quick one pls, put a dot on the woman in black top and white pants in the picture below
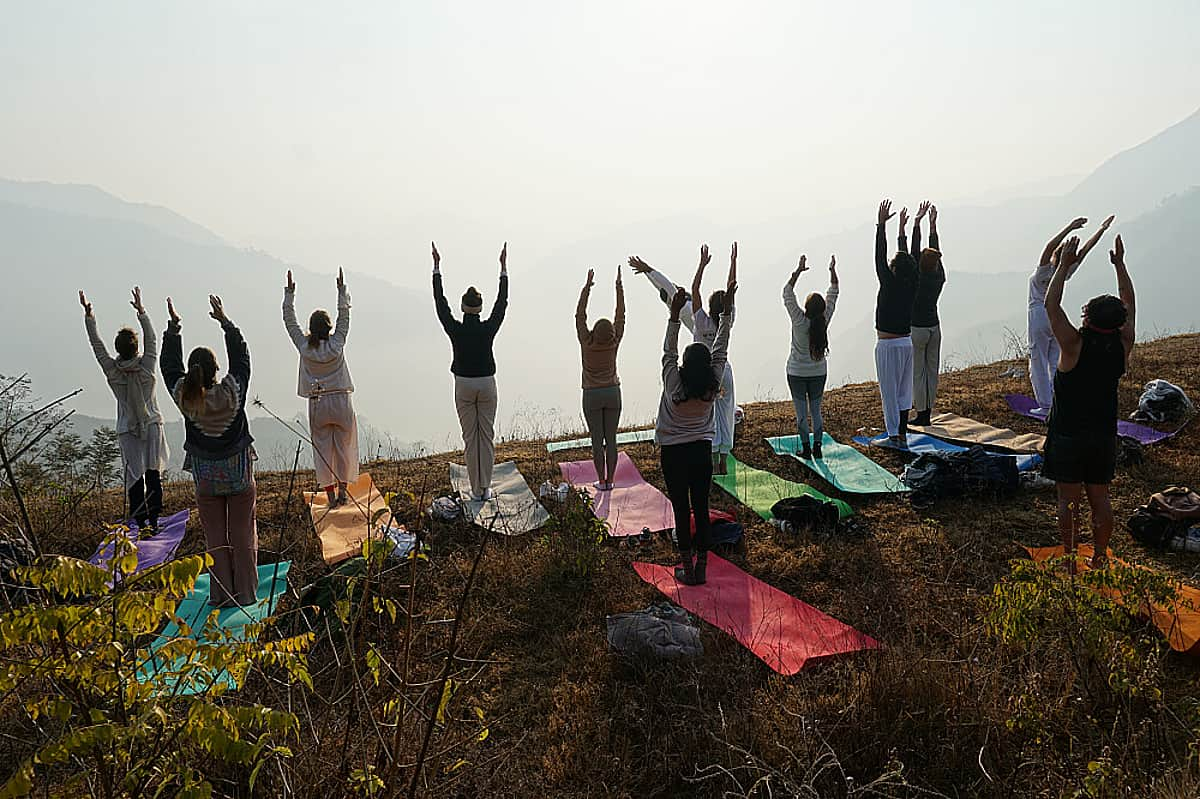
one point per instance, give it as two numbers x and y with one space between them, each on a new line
893 320
1081 439
474 369
926 331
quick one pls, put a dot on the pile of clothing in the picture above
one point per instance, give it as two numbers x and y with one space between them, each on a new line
1168 520
793 514
660 630
1163 403
937 475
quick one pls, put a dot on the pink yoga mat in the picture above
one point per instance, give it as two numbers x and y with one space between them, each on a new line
782 631
1026 405
632 506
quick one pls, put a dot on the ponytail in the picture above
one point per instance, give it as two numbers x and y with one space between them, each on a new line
818 327
201 376
319 325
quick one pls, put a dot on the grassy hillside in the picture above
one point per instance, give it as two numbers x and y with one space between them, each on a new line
945 709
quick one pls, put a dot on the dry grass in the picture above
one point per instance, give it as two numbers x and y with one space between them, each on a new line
567 718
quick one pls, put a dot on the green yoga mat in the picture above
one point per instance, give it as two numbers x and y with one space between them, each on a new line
631 437
843 467
194 611
760 490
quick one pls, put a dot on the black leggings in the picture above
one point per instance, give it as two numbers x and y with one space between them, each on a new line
687 470
146 498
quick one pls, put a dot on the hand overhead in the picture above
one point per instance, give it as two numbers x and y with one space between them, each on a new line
677 302
87 306
591 279
618 274
218 310
885 211
833 266
903 218
922 209
733 262
1077 223
639 266
504 259
341 281
933 214
291 284
1069 255
1117 253
136 302
437 258
802 266
704 256
174 317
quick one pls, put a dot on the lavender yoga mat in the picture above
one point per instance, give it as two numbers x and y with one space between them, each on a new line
633 504
1025 406
153 551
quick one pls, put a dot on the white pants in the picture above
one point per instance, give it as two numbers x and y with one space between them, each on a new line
475 399
334 430
140 455
927 355
1043 357
724 409
894 367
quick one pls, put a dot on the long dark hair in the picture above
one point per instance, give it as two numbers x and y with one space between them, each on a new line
697 376
716 304
201 376
818 329
319 326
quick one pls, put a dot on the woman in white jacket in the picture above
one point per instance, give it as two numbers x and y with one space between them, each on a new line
132 378
325 381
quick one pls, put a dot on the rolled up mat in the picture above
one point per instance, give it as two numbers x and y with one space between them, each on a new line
1178 620
779 629
961 430
631 437
919 443
194 611
1026 406
759 490
512 510
152 551
633 505
342 530
843 467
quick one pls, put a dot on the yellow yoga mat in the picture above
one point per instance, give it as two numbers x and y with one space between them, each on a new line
343 530
961 430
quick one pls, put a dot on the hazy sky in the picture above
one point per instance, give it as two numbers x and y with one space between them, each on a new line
354 133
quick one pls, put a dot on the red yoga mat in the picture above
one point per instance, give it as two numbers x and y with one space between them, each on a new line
782 631
632 506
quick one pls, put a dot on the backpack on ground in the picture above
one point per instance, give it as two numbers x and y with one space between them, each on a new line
806 513
939 475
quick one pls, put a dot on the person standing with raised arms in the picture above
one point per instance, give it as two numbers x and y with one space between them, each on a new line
807 368
132 378
1081 436
601 386
893 326
325 382
926 328
474 369
706 324
1043 346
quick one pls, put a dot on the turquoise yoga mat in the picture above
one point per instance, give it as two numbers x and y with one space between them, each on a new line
843 467
631 437
194 610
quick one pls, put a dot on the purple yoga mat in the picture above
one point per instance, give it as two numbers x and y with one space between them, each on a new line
1025 406
152 551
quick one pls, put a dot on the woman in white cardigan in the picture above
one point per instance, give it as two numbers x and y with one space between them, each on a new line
325 381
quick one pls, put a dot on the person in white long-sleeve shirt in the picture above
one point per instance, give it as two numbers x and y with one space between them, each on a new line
807 368
704 324
324 380
1043 347
132 378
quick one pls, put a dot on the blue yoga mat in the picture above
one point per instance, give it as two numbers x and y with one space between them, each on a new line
919 443
194 611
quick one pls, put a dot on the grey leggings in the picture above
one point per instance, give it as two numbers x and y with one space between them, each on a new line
806 396
602 410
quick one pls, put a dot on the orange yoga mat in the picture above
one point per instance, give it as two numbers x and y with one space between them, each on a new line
343 530
782 631
1179 621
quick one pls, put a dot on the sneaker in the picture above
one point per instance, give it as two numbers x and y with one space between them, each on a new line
899 441
602 486
816 451
806 453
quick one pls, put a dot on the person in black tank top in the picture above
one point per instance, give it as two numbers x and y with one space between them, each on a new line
1081 440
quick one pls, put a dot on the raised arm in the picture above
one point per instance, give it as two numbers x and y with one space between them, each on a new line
789 290
89 323
581 325
881 264
697 298
341 328
720 351
670 359
619 315
500 307
922 209
1092 242
1069 340
235 346
1052 245
1125 291
439 297
149 338
902 239
289 314
171 362
831 294
933 233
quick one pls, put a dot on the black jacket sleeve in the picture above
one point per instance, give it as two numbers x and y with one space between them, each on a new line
916 243
238 354
881 264
501 306
439 302
170 360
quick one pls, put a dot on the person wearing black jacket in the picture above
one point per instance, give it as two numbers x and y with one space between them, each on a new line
474 368
219 453
926 331
893 324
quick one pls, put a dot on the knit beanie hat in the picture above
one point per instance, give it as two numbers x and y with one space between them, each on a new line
472 301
